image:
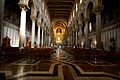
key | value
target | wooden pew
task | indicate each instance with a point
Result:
(90, 54)
(34, 52)
(84, 53)
(11, 51)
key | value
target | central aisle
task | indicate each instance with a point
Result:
(60, 54)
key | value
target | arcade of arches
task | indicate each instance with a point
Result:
(59, 39)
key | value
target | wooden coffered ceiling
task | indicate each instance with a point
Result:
(59, 9)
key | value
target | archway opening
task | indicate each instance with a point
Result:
(59, 32)
(92, 16)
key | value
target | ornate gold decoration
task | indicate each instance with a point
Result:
(59, 35)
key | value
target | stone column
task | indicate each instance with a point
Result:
(22, 33)
(76, 33)
(98, 31)
(97, 10)
(38, 39)
(76, 37)
(49, 39)
(80, 36)
(42, 38)
(67, 40)
(33, 18)
(1, 19)
(42, 42)
(33, 33)
(45, 39)
(70, 39)
(80, 31)
(86, 33)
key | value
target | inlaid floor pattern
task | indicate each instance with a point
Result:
(60, 66)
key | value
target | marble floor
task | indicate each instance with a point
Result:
(59, 66)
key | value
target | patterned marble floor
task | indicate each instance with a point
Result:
(60, 66)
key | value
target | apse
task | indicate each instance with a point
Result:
(59, 31)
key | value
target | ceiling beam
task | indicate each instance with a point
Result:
(59, 0)
(59, 18)
(59, 3)
(59, 11)
(59, 15)
(60, 7)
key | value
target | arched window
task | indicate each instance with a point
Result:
(80, 1)
(90, 27)
(73, 13)
(76, 7)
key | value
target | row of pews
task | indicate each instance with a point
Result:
(15, 51)
(90, 54)
(37, 51)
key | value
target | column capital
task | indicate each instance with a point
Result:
(76, 26)
(23, 4)
(73, 29)
(97, 9)
(22, 7)
(42, 24)
(33, 17)
(38, 22)
(80, 23)
(86, 20)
